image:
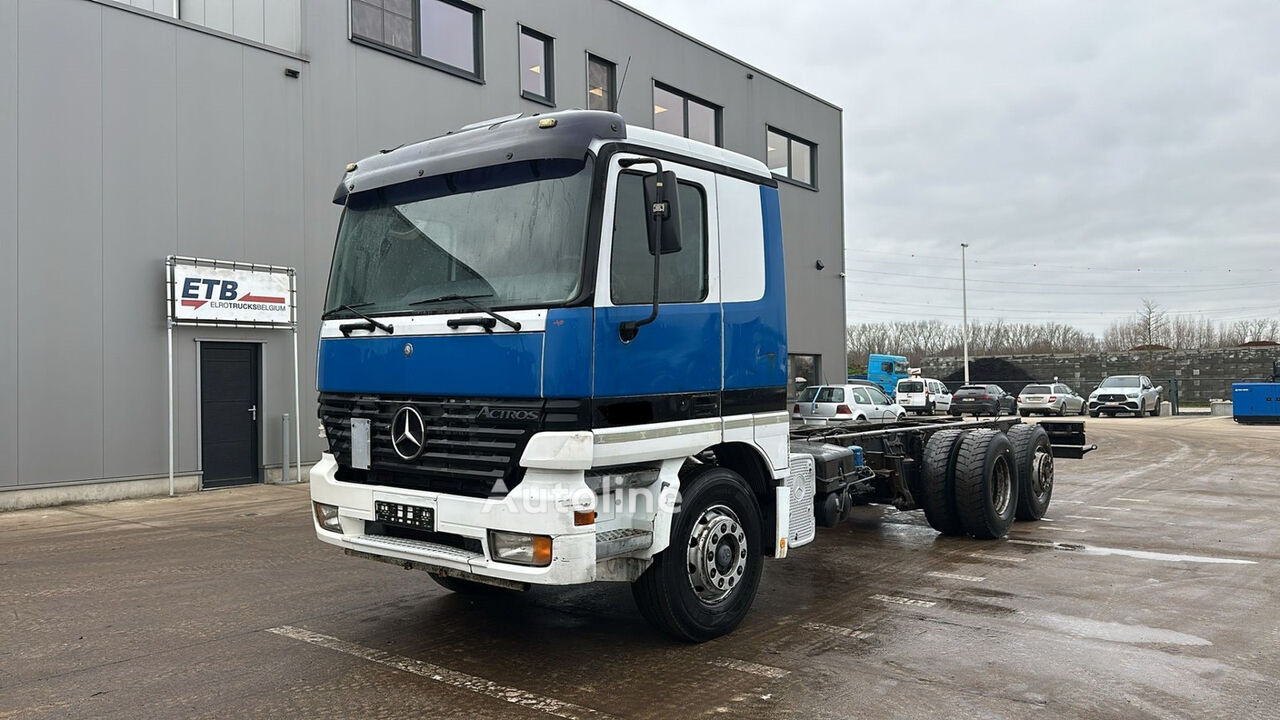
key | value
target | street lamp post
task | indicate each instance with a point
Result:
(964, 300)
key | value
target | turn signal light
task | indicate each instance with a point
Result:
(584, 517)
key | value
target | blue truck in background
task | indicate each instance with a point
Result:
(554, 351)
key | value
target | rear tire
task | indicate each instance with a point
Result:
(703, 584)
(937, 480)
(986, 484)
(1033, 458)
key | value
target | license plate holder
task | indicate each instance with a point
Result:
(403, 515)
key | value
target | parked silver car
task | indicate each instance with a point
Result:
(835, 404)
(1125, 393)
(1049, 399)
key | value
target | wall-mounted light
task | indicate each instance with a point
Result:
(819, 265)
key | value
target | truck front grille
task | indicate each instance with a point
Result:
(472, 446)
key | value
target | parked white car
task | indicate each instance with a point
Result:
(1125, 393)
(835, 404)
(1049, 399)
(923, 395)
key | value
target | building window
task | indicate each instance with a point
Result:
(803, 371)
(386, 22)
(682, 114)
(789, 157)
(683, 277)
(600, 77)
(537, 66)
(445, 34)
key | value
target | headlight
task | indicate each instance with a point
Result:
(327, 517)
(519, 548)
(1132, 395)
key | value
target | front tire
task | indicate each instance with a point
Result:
(986, 484)
(703, 584)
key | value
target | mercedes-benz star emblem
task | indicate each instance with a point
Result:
(408, 349)
(408, 433)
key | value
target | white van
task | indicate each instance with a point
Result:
(923, 396)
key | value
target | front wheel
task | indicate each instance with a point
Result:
(703, 584)
(1155, 411)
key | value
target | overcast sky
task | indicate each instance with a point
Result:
(1090, 153)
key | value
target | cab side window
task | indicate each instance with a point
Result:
(683, 276)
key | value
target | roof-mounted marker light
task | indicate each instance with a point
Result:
(547, 123)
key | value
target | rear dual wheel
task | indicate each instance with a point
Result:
(970, 483)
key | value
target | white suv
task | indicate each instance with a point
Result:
(923, 395)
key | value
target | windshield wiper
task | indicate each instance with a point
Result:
(349, 308)
(368, 324)
(513, 324)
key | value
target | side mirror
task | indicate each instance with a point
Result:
(662, 199)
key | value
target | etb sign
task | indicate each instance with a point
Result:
(217, 292)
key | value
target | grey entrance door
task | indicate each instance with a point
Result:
(229, 411)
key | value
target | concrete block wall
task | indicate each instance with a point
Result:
(1201, 374)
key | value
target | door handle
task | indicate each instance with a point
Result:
(253, 410)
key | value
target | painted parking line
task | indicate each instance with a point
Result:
(1086, 517)
(899, 600)
(1002, 558)
(1111, 507)
(1065, 529)
(955, 576)
(453, 678)
(747, 666)
(1071, 502)
(836, 630)
(1129, 499)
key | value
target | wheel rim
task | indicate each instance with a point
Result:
(1001, 486)
(717, 554)
(1041, 475)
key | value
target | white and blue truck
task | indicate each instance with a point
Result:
(554, 351)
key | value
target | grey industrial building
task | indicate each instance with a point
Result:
(131, 131)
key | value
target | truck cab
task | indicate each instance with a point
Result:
(554, 352)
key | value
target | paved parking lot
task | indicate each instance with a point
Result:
(1151, 591)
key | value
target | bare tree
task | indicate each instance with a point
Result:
(1153, 323)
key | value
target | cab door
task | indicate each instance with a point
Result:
(672, 369)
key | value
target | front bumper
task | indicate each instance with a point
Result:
(1125, 406)
(543, 504)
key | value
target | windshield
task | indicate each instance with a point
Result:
(910, 386)
(1121, 381)
(510, 235)
(974, 389)
(1036, 390)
